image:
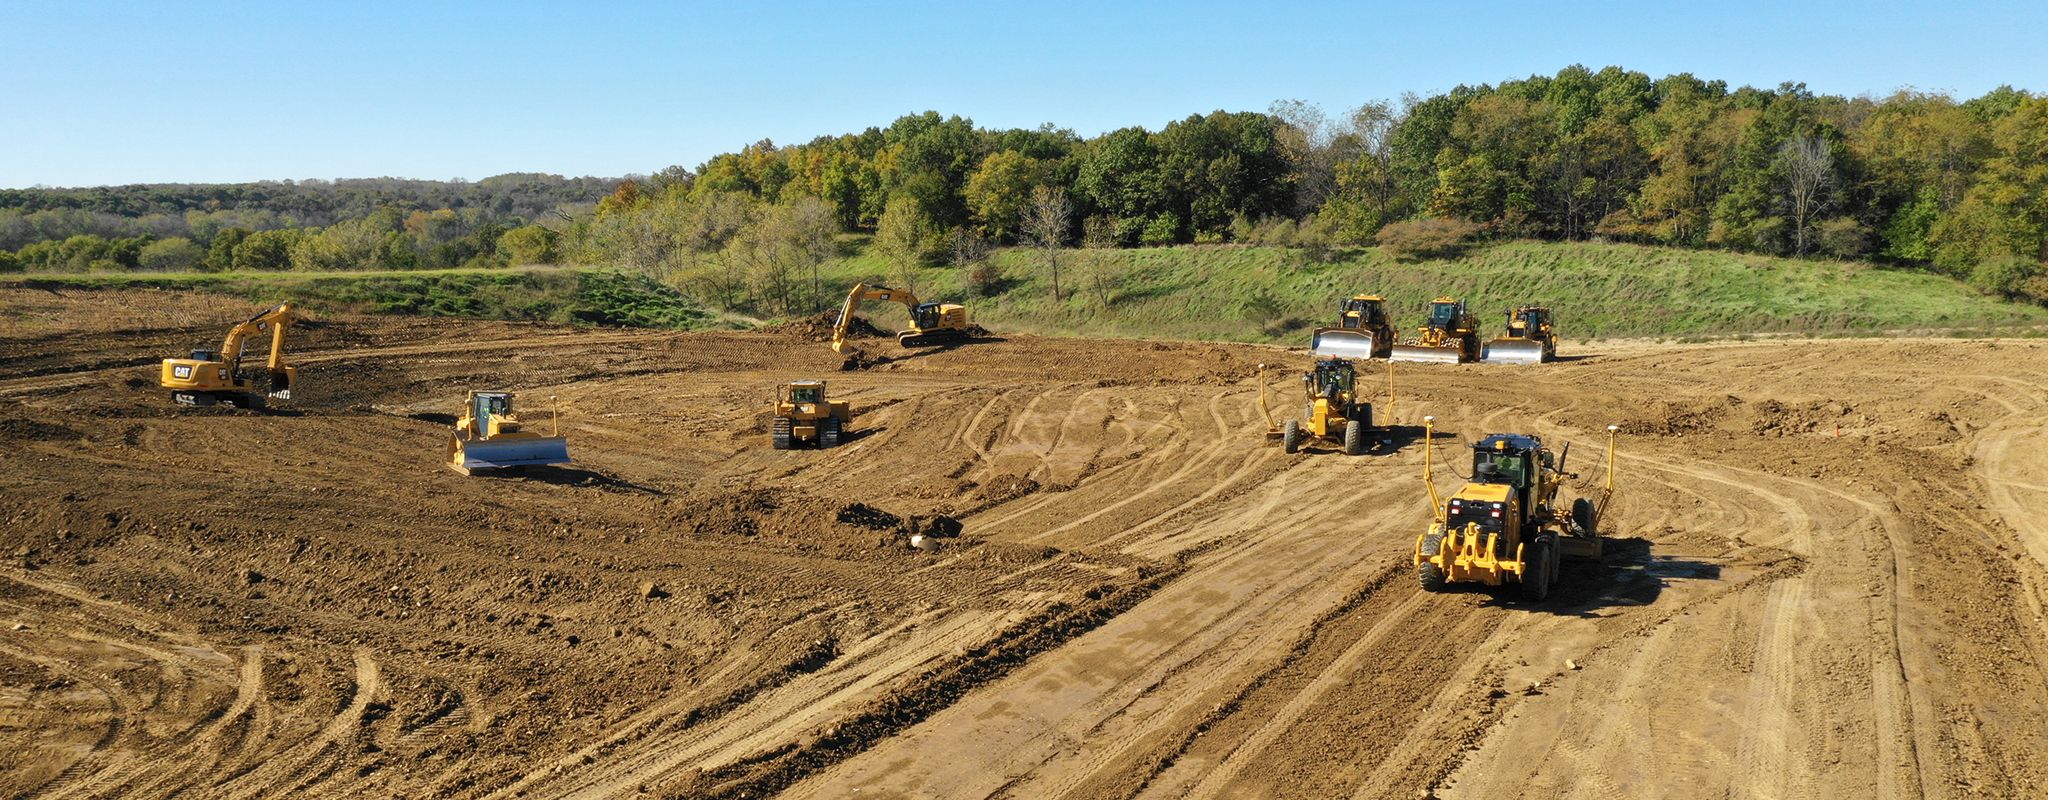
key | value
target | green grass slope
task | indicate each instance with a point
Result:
(1598, 290)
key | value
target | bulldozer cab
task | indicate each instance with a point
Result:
(808, 392)
(1362, 312)
(1526, 321)
(1446, 315)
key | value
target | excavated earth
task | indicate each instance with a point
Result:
(1825, 573)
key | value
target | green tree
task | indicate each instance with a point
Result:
(266, 250)
(176, 254)
(1000, 190)
(220, 254)
(907, 237)
(2006, 212)
(528, 244)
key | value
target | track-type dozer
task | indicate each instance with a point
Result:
(1528, 340)
(1505, 525)
(804, 416)
(1450, 337)
(211, 377)
(930, 323)
(1337, 410)
(1362, 330)
(490, 437)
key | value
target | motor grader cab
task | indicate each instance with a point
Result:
(1337, 409)
(804, 416)
(1451, 336)
(1529, 338)
(211, 377)
(1362, 330)
(490, 437)
(930, 323)
(1505, 524)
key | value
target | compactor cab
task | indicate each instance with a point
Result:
(804, 416)
(1450, 336)
(489, 437)
(1528, 339)
(1362, 330)
(1337, 409)
(1505, 525)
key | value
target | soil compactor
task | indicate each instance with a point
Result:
(211, 377)
(1505, 526)
(1337, 409)
(804, 416)
(489, 436)
(1362, 330)
(1451, 336)
(1529, 339)
(930, 323)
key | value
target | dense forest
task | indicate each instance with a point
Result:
(1916, 179)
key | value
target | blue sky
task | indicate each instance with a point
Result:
(107, 93)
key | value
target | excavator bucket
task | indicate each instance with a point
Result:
(1341, 342)
(1512, 351)
(1425, 354)
(465, 455)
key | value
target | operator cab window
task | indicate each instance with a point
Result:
(1443, 314)
(808, 394)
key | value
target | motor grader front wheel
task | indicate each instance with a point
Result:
(1432, 578)
(1354, 438)
(1541, 571)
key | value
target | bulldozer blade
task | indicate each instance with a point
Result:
(1427, 355)
(521, 452)
(1342, 343)
(1511, 351)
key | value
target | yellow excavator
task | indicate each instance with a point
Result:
(1362, 330)
(1505, 525)
(489, 437)
(930, 323)
(1529, 338)
(1450, 337)
(804, 416)
(1337, 410)
(211, 377)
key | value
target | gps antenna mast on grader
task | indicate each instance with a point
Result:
(1451, 336)
(930, 323)
(1505, 525)
(1362, 330)
(211, 377)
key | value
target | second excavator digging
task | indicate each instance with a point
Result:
(1362, 330)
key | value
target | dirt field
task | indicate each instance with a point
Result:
(1825, 574)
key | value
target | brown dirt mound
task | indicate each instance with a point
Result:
(818, 327)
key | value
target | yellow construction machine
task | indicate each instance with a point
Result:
(1505, 525)
(489, 437)
(1450, 337)
(1362, 330)
(930, 323)
(804, 416)
(1529, 338)
(1337, 409)
(210, 377)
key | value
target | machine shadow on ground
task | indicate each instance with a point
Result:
(566, 476)
(1628, 573)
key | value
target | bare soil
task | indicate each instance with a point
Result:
(1825, 573)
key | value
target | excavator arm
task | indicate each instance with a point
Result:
(277, 319)
(860, 292)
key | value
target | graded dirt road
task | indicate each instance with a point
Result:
(1825, 574)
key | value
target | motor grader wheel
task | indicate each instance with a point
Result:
(1541, 571)
(1354, 438)
(1290, 436)
(1432, 578)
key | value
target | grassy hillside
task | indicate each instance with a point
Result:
(1598, 290)
(591, 297)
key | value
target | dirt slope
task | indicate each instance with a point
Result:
(1821, 580)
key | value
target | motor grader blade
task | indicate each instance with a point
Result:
(465, 455)
(1512, 351)
(1426, 355)
(1342, 343)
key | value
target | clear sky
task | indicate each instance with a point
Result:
(107, 93)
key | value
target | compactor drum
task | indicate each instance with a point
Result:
(1362, 331)
(489, 437)
(1529, 339)
(1451, 336)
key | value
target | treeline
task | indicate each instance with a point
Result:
(1914, 178)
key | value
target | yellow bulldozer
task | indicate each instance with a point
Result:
(1505, 525)
(1451, 336)
(930, 323)
(1529, 338)
(489, 437)
(1362, 330)
(1337, 410)
(804, 416)
(211, 377)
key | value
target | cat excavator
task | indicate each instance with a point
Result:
(212, 377)
(930, 323)
(1506, 524)
(1362, 330)
(1451, 336)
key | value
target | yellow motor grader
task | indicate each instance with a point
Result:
(1362, 330)
(1451, 336)
(1505, 525)
(489, 437)
(210, 377)
(804, 416)
(1529, 338)
(1337, 410)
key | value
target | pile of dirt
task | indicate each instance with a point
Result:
(818, 327)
